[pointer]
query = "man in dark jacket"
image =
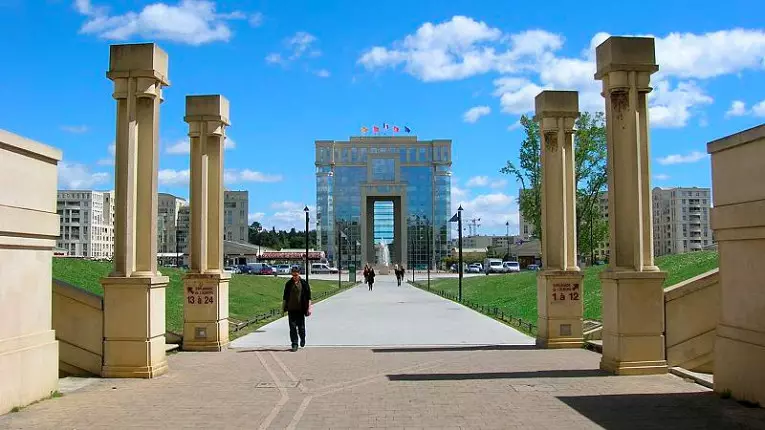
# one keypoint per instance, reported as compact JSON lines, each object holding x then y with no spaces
{"x":297,"y":303}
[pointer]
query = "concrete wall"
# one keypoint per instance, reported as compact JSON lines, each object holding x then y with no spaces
{"x":78,"y":318}
{"x":691,"y":310}
{"x":738,"y":220}
{"x":29,"y":226}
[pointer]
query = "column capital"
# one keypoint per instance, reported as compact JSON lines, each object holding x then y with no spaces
{"x":556,"y":104}
{"x":139,"y":60}
{"x":211,"y":108}
{"x":625,"y":54}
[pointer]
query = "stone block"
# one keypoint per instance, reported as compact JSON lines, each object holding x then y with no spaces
{"x":207,"y":108}
{"x":138,"y":60}
{"x":559,"y":302}
{"x":557,"y":104}
{"x":618,"y":53}
{"x":205,"y":311}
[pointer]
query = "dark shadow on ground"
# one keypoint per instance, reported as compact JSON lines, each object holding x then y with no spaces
{"x":575,"y":373}
{"x":287,"y":349}
{"x":666,"y":411}
{"x":457,"y":348}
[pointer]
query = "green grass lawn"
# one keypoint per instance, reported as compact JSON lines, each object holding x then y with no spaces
{"x":516,"y":294}
{"x":249,"y":295}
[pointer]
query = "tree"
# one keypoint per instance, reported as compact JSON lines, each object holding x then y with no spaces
{"x":589,"y":172}
{"x":529,"y":174}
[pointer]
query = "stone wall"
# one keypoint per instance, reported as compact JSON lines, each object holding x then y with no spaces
{"x":78,"y":318}
{"x":691,"y":310}
{"x":29,"y":226}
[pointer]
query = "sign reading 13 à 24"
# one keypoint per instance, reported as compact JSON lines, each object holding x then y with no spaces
{"x":565,"y":291}
{"x":200,"y":295}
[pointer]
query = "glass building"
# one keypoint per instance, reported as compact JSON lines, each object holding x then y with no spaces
{"x":392,"y":190}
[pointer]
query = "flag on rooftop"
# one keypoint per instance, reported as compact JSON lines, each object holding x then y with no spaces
{"x":385,"y":125}
{"x":364,"y":129}
{"x":407,"y":129}
{"x":375,"y":129}
{"x":395,"y":129}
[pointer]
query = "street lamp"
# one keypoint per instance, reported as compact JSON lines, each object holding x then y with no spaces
{"x":427,"y":253}
{"x":507,"y":238}
{"x":257,"y":238}
{"x":305,"y":209}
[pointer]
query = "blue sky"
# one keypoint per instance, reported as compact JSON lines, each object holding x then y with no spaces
{"x":297,"y":71}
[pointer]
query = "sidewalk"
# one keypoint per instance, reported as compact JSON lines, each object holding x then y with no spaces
{"x":389,"y":316}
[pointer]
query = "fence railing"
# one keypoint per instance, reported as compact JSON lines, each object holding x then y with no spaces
{"x":236,"y":326}
{"x":493,"y":312}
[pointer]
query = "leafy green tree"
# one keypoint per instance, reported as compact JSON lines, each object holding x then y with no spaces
{"x":589,"y":172}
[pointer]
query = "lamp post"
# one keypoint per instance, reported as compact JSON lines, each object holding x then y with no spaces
{"x":340,"y":236}
{"x":177,"y":247}
{"x":459,"y":244}
{"x":305,"y":209}
{"x":257,"y":238}
{"x":507,"y":238}
{"x":427,"y":253}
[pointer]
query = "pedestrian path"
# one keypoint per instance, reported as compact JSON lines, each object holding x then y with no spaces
{"x":390,"y":316}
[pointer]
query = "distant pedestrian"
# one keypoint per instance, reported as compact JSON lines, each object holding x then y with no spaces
{"x":371,"y":278}
{"x":366,"y":273}
{"x":297,"y":303}
{"x":399,"y":273}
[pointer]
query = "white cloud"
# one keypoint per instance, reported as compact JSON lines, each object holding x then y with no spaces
{"x":299,"y":45}
{"x":256,"y":19}
{"x":76,"y":129}
{"x":108,"y":161}
{"x":473,"y":114}
{"x":235,"y":176}
{"x":737,"y":108}
{"x":516,"y":95}
{"x":287,"y":215}
{"x":193,"y":22}
{"x":759,"y":109}
{"x":257,"y":216}
{"x":170,"y":177}
{"x":672,"y":107}
{"x":493,"y":210}
{"x":79,"y":176}
{"x":514,"y":126}
{"x":681,"y":159}
{"x":499,"y":183}
{"x":478,"y":181}
{"x":183,"y":146}
{"x":322,"y":73}
{"x":458,"y":193}
{"x":661,"y":177}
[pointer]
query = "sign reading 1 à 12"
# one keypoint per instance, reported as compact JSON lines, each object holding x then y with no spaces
{"x":565,"y":291}
{"x":200,"y":295}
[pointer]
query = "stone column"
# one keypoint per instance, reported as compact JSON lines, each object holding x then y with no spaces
{"x":633,"y":296}
{"x":134,"y":293}
{"x":205,"y":310}
{"x":738,"y":220}
{"x":559,"y":285}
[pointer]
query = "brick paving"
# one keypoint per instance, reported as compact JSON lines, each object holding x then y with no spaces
{"x":466,"y":388}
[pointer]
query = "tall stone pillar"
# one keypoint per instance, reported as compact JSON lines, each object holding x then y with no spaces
{"x":134,"y":293}
{"x":559,"y":285}
{"x":633,"y":305}
{"x":205,"y":310}
{"x":738,"y":220}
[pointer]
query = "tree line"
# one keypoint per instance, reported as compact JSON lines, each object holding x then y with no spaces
{"x":590,"y":177}
{"x":280,"y":239}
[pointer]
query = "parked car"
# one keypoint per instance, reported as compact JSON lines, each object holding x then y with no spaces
{"x":474,"y":268}
{"x":232,"y":269}
{"x":493,"y":265}
{"x":260,"y":269}
{"x":245,"y":269}
{"x":322,"y":268}
{"x":532,"y":267}
{"x":283,"y":269}
{"x":511,"y":266}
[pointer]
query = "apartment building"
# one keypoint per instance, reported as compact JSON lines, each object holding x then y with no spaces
{"x":168,"y":210}
{"x":87,"y":223}
{"x":681,"y":220}
{"x":235,"y":206}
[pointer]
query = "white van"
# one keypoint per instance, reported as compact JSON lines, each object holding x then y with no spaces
{"x":322,"y":268}
{"x":493,"y":265}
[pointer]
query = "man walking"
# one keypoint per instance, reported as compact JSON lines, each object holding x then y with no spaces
{"x":371,"y":277}
{"x":297,"y":303}
{"x":399,"y":273}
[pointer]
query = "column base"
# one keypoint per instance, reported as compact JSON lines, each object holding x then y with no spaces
{"x":633,"y":322}
{"x":134,"y":327}
{"x":559,"y":303}
{"x":205,"y":311}
{"x":739,"y":356}
{"x":28,"y":369}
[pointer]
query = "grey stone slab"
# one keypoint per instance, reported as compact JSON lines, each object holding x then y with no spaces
{"x":390,"y":316}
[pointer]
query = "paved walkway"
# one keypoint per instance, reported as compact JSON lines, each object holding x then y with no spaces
{"x":390,"y":316}
{"x":453,"y":387}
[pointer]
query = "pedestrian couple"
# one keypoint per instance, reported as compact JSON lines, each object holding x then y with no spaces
{"x":399,"y":270}
{"x":297,"y":304}
{"x":369,"y":275}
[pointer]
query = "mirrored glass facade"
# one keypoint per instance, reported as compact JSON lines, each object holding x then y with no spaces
{"x":383,"y":188}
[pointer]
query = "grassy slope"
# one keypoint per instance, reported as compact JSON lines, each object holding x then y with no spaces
{"x":516,"y":294}
{"x":249,"y":295}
